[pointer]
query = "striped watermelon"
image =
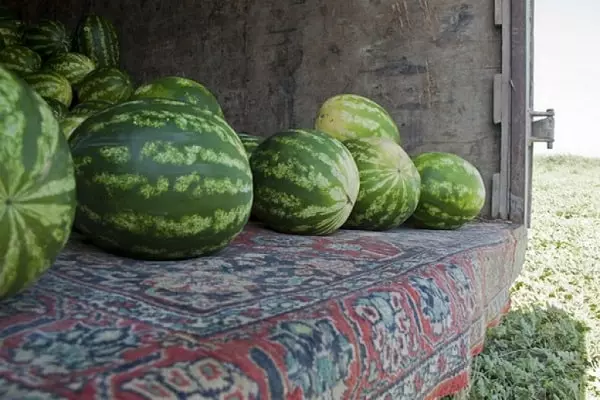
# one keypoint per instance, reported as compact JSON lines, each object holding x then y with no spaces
{"x":20,"y":59}
{"x":348,"y":116}
{"x":182,"y":89}
{"x":390,"y":184}
{"x":37,"y":186}
{"x":106,"y":84}
{"x":47,"y":38}
{"x":51,"y":85}
{"x":58,"y":109}
{"x":160,"y":179}
{"x":250,"y":142}
{"x":452,"y":191}
{"x":305,"y":182}
{"x":97,"y":38}
{"x":73,"y":66}
{"x":11,"y":32}
{"x":80,"y":113}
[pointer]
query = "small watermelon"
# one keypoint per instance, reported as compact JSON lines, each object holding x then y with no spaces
{"x":47,"y":38}
{"x":452,"y":191}
{"x":182,"y":89}
{"x":250,"y":142}
{"x":390,"y":184}
{"x":305,"y":182}
{"x":160,"y":179}
{"x":37,"y":186}
{"x":97,"y":38}
{"x":82,"y":111}
{"x":106,"y":84}
{"x":348,"y":116}
{"x":58,"y":109}
{"x":73,"y":66}
{"x":11,"y":32}
{"x":51,"y":85}
{"x":20,"y":59}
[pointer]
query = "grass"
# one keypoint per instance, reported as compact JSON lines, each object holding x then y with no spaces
{"x":548,"y":346}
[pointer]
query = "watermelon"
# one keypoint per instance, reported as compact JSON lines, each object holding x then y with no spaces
{"x":160,"y":179}
{"x":47,"y":38}
{"x":97,"y":38}
{"x":250,"y":142}
{"x":452,"y":191}
{"x":58,"y":109}
{"x":73,"y":66}
{"x":20,"y":59}
{"x":182,"y":89}
{"x":347,"y":116}
{"x":11,"y":32}
{"x":51,"y":85}
{"x":305,"y":182}
{"x":80,"y":113}
{"x":37,"y":186}
{"x":390,"y":184}
{"x":106,"y":84}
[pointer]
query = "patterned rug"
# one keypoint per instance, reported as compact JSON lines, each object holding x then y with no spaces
{"x":356,"y":315}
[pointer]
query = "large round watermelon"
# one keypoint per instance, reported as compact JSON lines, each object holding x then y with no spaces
{"x":452,"y":191}
{"x":182,"y":89}
{"x":160,"y":179}
{"x":305,"y":182}
{"x":73,"y":66}
{"x":97,"y":38}
{"x":106,"y":84}
{"x":51,"y":85}
{"x":37,"y":186}
{"x":390,"y":184}
{"x":348,"y":116}
{"x":82,"y":111}
{"x":47,"y":38}
{"x":20,"y":60}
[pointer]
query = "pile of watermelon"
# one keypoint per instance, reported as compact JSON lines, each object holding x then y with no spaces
{"x":156,"y":171}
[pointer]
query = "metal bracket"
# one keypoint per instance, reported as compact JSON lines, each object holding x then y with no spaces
{"x":542,"y":130}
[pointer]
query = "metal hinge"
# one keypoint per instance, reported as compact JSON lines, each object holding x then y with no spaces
{"x":542,"y":130}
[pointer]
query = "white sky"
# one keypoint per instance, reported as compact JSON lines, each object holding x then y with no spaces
{"x":567,"y":72}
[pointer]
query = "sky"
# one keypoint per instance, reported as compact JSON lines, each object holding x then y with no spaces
{"x":567,"y":73}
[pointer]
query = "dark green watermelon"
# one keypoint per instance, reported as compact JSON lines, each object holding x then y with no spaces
{"x":160,"y":179}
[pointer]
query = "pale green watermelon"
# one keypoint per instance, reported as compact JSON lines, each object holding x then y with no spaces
{"x":349,"y":116}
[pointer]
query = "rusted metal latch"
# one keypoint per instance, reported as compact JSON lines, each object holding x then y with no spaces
{"x":542,"y":130}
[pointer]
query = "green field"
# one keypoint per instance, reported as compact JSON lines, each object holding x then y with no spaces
{"x":548,"y":347}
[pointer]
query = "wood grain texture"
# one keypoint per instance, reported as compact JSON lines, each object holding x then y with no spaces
{"x":431,"y":63}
